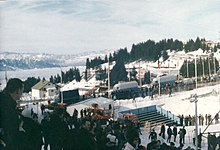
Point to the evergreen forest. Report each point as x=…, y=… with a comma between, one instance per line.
x=145, y=51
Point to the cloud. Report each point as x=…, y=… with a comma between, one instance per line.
x=77, y=26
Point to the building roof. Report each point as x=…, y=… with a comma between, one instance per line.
x=41, y=84
x=101, y=101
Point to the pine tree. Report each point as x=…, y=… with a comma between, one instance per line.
x=87, y=63
x=106, y=59
x=51, y=79
x=29, y=83
x=118, y=73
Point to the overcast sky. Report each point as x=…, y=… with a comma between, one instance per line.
x=75, y=26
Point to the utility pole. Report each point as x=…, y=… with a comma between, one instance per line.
x=169, y=65
x=139, y=70
x=209, y=66
x=214, y=67
x=61, y=90
x=196, y=70
x=158, y=76
x=109, y=94
x=194, y=99
x=203, y=68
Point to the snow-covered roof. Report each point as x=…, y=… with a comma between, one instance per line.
x=199, y=53
x=40, y=85
x=101, y=101
x=80, y=85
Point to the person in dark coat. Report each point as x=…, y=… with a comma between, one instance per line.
x=86, y=141
x=139, y=127
x=81, y=113
x=152, y=145
x=132, y=137
x=170, y=89
x=209, y=141
x=181, y=120
x=45, y=123
x=58, y=133
x=174, y=133
x=184, y=134
x=42, y=107
x=162, y=131
x=200, y=140
x=32, y=131
x=53, y=132
x=9, y=116
x=218, y=141
x=169, y=133
x=180, y=136
x=213, y=141
x=153, y=135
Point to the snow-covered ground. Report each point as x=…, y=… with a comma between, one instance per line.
x=188, y=139
x=179, y=103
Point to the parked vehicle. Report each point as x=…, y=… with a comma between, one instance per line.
x=125, y=90
x=125, y=85
x=164, y=79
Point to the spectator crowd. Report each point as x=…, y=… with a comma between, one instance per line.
x=20, y=129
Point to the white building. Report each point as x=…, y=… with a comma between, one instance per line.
x=44, y=90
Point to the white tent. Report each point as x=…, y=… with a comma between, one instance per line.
x=101, y=101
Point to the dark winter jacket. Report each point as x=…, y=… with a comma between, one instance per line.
x=153, y=136
x=174, y=131
x=9, y=121
x=169, y=131
x=33, y=133
x=86, y=140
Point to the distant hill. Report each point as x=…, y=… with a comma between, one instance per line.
x=14, y=61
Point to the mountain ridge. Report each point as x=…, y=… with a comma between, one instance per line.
x=15, y=60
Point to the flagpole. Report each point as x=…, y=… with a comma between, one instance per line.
x=158, y=77
x=109, y=94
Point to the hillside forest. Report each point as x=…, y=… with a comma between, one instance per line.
x=145, y=51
